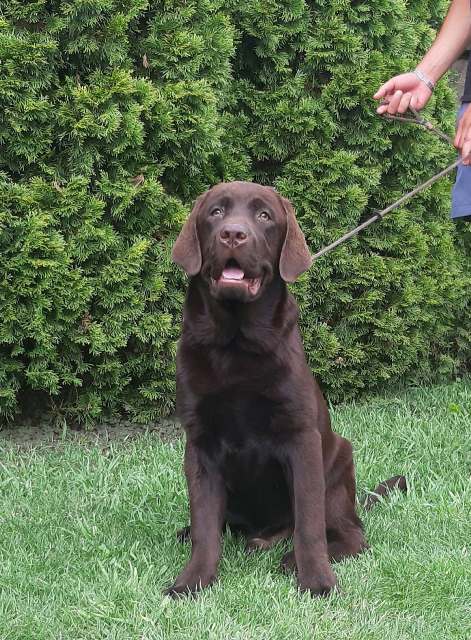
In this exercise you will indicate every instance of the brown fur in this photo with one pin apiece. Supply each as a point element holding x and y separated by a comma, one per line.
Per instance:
<point>260,454</point>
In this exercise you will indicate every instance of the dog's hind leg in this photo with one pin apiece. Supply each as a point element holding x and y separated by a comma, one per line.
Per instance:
<point>267,538</point>
<point>347,543</point>
<point>184,535</point>
<point>383,489</point>
<point>345,537</point>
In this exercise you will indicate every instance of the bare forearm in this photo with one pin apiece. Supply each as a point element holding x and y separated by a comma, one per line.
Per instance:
<point>454,37</point>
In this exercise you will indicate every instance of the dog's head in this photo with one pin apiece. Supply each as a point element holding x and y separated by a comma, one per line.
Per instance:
<point>239,237</point>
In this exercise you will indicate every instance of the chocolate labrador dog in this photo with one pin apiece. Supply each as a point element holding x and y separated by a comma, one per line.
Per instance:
<point>260,454</point>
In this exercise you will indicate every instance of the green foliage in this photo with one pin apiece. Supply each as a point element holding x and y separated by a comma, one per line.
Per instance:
<point>109,120</point>
<point>390,304</point>
<point>114,115</point>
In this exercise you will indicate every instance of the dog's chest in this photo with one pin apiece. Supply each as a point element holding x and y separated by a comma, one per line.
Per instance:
<point>218,371</point>
<point>236,414</point>
<point>237,419</point>
<point>236,433</point>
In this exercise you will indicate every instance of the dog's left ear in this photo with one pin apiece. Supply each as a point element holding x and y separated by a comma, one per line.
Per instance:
<point>295,257</point>
<point>186,251</point>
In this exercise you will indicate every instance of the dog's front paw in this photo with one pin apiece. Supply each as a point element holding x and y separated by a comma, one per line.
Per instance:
<point>318,584</point>
<point>179,590</point>
<point>189,584</point>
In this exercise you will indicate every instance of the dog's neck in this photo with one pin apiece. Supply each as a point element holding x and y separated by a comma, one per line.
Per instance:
<point>256,326</point>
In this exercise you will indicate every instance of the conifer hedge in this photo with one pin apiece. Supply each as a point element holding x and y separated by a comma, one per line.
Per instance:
<point>116,114</point>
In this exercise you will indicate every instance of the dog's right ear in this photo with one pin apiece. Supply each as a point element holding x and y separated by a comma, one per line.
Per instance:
<point>186,251</point>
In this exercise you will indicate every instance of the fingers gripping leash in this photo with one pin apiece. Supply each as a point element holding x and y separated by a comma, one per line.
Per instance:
<point>379,215</point>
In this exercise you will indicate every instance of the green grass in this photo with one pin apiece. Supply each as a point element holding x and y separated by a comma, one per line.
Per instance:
<point>87,540</point>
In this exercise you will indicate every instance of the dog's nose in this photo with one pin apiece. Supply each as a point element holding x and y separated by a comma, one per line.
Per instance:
<point>233,235</point>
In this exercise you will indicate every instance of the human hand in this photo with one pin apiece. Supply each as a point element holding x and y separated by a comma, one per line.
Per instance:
<point>463,136</point>
<point>401,92</point>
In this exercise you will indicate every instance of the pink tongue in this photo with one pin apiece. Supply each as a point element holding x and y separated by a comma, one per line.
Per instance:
<point>233,273</point>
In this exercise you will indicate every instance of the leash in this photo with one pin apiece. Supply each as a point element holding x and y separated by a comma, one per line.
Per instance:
<point>379,215</point>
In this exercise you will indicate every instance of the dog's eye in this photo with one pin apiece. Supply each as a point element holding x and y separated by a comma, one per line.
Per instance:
<point>216,212</point>
<point>264,215</point>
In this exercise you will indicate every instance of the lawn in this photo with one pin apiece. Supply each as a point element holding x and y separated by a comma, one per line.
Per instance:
<point>87,540</point>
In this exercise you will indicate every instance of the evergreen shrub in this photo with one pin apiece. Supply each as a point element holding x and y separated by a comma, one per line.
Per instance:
<point>391,304</point>
<point>116,114</point>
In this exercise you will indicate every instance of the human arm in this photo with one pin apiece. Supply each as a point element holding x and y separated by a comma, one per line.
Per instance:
<point>407,89</point>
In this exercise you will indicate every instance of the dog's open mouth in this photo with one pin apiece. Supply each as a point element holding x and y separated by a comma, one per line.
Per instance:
<point>233,276</point>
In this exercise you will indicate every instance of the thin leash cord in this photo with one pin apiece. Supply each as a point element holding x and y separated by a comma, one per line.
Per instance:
<point>417,119</point>
<point>379,215</point>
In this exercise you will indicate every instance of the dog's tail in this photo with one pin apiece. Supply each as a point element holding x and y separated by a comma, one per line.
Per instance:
<point>383,489</point>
